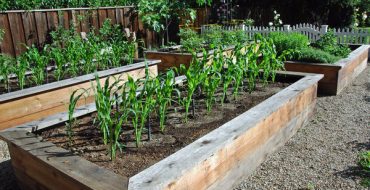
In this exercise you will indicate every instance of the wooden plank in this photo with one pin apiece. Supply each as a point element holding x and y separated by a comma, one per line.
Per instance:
<point>94,20</point>
<point>26,108</point>
<point>29,25</point>
<point>127,21</point>
<point>111,14</point>
<point>64,9</point>
<point>52,18</point>
<point>68,170</point>
<point>41,26</point>
<point>84,21</point>
<point>120,17</point>
<point>7,43</point>
<point>102,14</point>
<point>74,21</point>
<point>16,28</point>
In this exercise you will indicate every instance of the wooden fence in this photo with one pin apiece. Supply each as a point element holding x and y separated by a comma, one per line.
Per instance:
<point>344,36</point>
<point>24,28</point>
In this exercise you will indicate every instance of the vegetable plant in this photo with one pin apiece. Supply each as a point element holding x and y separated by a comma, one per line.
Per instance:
<point>73,100</point>
<point>20,70</point>
<point>38,64</point>
<point>6,68</point>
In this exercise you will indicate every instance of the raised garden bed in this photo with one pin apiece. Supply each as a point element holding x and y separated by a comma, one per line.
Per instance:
<point>174,57</point>
<point>217,160</point>
<point>338,75</point>
<point>23,106</point>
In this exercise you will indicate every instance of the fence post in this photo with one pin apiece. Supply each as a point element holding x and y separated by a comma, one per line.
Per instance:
<point>286,27</point>
<point>324,29</point>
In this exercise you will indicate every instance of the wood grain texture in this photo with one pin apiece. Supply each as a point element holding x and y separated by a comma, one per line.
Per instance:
<point>42,165</point>
<point>17,31</point>
<point>7,43</point>
<point>170,59</point>
<point>19,108</point>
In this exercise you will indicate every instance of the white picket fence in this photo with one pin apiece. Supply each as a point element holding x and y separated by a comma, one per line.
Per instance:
<point>344,36</point>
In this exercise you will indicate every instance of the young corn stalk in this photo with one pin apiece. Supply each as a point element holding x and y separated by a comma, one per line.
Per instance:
<point>211,84</point>
<point>73,100</point>
<point>38,63</point>
<point>195,75</point>
<point>110,124</point>
<point>58,57</point>
<point>164,95</point>
<point>6,68</point>
<point>227,78</point>
<point>20,70</point>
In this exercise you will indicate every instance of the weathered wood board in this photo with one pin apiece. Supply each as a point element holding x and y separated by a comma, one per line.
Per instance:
<point>338,75</point>
<point>32,27</point>
<point>30,104</point>
<point>218,160</point>
<point>170,59</point>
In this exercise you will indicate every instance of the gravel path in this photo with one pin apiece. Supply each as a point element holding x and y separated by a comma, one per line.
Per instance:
<point>321,155</point>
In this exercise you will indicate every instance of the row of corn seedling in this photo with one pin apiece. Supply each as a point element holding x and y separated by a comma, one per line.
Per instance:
<point>69,55</point>
<point>133,103</point>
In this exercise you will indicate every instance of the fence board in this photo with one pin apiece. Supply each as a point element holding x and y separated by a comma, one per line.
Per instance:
<point>33,26</point>
<point>346,36</point>
<point>29,27</point>
<point>16,28</point>
<point>7,43</point>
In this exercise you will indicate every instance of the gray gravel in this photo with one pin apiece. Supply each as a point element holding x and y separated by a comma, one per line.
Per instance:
<point>321,155</point>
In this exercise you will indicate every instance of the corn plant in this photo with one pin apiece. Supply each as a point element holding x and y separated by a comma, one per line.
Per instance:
<point>20,70</point>
<point>195,75</point>
<point>164,95</point>
<point>110,124</point>
<point>73,100</point>
<point>227,78</point>
<point>211,84</point>
<point>38,64</point>
<point>57,56</point>
<point>147,103</point>
<point>6,68</point>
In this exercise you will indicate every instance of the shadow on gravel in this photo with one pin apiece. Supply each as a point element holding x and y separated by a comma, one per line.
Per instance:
<point>353,172</point>
<point>7,177</point>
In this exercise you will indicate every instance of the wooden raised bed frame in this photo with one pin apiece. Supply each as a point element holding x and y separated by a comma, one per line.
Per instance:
<point>175,59</point>
<point>23,106</point>
<point>338,75</point>
<point>218,160</point>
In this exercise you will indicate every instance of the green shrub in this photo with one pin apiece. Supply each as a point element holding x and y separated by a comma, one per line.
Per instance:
<point>190,40</point>
<point>286,41</point>
<point>364,163</point>
<point>328,43</point>
<point>314,55</point>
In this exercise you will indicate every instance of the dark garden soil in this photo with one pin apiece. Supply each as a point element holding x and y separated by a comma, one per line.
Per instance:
<point>177,134</point>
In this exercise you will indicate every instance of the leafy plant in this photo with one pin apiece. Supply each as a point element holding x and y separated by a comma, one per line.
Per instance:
<point>110,124</point>
<point>364,163</point>
<point>164,95</point>
<point>38,64</point>
<point>190,40</point>
<point>328,43</point>
<point>73,100</point>
<point>286,41</point>
<point>195,75</point>
<point>20,70</point>
<point>315,56</point>
<point>6,68</point>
